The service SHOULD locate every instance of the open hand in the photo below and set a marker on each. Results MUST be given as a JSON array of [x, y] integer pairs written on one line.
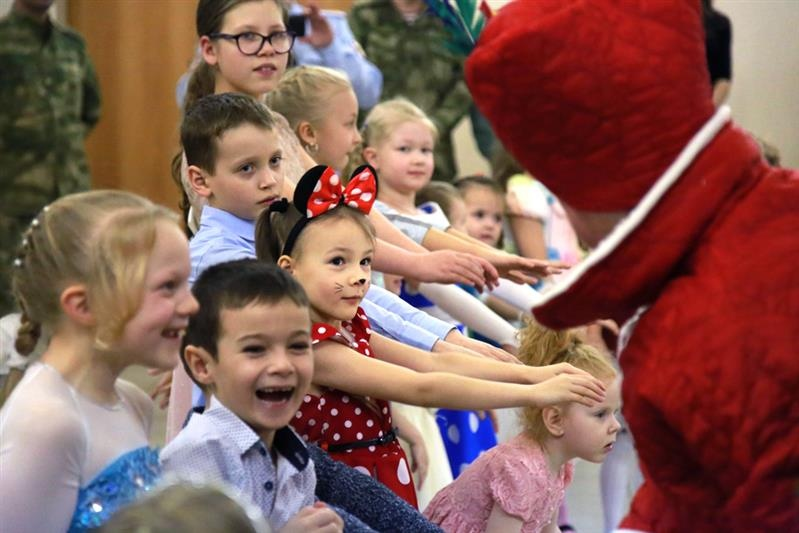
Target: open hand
[[542, 373], [524, 269], [419, 460], [475, 347], [317, 518], [321, 33], [448, 266], [586, 390]]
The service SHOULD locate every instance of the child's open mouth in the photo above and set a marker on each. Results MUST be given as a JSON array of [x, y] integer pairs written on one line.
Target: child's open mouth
[[275, 394], [172, 333]]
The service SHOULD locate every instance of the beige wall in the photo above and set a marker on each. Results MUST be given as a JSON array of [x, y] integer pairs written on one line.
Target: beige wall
[[765, 89]]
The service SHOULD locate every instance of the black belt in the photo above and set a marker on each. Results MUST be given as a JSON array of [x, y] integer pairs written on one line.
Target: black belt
[[389, 437]]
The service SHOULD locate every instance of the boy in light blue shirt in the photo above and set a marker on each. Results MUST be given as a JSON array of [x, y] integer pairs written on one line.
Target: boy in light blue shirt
[[234, 157], [250, 346]]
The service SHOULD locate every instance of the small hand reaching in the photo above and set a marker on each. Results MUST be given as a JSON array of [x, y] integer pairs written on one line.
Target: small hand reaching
[[419, 460], [483, 349], [447, 266], [543, 373], [317, 518], [586, 390], [523, 269], [321, 33]]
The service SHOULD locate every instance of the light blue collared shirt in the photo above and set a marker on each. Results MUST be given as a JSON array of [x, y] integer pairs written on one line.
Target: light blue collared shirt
[[345, 54], [222, 237], [217, 446]]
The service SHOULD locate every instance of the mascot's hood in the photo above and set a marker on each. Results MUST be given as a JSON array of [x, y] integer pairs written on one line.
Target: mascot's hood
[[596, 98]]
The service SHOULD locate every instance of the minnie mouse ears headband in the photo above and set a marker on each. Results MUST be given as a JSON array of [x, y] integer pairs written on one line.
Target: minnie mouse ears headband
[[320, 190]]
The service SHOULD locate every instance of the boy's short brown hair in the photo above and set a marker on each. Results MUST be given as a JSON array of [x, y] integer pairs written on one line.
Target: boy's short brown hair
[[210, 117]]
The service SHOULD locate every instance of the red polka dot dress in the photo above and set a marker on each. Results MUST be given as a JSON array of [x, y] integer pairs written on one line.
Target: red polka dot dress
[[355, 430]]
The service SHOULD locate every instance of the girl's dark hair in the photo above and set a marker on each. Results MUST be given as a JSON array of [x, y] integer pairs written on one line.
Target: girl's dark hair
[[273, 228]]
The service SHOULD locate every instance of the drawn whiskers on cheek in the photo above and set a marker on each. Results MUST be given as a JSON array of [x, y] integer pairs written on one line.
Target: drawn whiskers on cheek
[[339, 287]]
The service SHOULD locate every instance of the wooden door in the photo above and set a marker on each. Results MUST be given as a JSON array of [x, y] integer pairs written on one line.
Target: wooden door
[[140, 48]]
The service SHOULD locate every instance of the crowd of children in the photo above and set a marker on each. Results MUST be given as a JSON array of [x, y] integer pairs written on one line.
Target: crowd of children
[[335, 324]]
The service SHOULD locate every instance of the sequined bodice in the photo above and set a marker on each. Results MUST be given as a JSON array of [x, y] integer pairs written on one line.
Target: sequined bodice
[[116, 485]]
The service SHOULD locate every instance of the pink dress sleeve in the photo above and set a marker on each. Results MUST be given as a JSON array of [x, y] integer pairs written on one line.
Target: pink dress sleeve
[[522, 485], [514, 489]]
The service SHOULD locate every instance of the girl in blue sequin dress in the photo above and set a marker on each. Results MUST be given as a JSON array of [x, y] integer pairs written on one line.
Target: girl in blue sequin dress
[[103, 275]]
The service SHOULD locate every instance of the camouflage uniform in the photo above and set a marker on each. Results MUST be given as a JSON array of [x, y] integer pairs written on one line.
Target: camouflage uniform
[[416, 64], [49, 100]]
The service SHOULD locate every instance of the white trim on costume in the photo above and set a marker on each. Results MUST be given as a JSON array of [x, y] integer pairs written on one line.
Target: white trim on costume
[[629, 223]]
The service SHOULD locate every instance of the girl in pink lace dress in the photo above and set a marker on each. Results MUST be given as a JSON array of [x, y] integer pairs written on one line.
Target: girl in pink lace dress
[[518, 486]]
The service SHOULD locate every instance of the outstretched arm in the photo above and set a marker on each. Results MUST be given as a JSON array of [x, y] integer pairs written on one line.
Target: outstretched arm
[[512, 267], [477, 347], [398, 254], [338, 366], [465, 365]]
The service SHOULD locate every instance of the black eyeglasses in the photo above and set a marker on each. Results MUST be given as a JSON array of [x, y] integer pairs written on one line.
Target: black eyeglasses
[[250, 42]]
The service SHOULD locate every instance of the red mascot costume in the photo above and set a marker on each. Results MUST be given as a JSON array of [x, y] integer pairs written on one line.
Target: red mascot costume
[[608, 103]]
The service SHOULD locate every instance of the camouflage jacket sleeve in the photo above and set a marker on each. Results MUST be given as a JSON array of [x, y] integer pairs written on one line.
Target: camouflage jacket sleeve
[[359, 27], [452, 107], [90, 113]]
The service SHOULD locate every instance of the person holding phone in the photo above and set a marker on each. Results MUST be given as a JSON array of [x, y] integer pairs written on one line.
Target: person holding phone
[[326, 40]]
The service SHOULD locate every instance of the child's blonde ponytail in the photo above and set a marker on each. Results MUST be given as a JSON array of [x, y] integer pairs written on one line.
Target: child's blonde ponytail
[[540, 346]]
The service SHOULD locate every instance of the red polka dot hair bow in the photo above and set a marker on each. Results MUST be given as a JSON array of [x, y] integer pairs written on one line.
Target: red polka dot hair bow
[[327, 191], [320, 190]]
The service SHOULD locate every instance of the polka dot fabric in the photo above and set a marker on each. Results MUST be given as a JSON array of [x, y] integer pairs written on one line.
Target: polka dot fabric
[[336, 418], [465, 437], [327, 194]]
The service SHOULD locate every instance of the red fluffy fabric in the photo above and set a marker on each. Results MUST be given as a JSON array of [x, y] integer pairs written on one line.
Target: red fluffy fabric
[[597, 99], [601, 94]]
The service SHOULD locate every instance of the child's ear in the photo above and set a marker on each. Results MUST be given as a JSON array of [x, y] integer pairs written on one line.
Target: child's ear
[[198, 181], [208, 50], [200, 363], [554, 420], [74, 302], [285, 262], [306, 133], [370, 156]]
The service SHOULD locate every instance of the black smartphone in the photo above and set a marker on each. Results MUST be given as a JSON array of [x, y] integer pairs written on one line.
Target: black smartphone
[[296, 24]]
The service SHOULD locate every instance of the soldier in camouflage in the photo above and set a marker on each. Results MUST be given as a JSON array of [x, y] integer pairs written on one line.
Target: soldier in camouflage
[[408, 45], [49, 100]]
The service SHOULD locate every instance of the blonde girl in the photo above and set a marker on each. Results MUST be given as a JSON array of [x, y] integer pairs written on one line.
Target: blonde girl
[[103, 276], [398, 141], [328, 246], [321, 108], [519, 485]]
